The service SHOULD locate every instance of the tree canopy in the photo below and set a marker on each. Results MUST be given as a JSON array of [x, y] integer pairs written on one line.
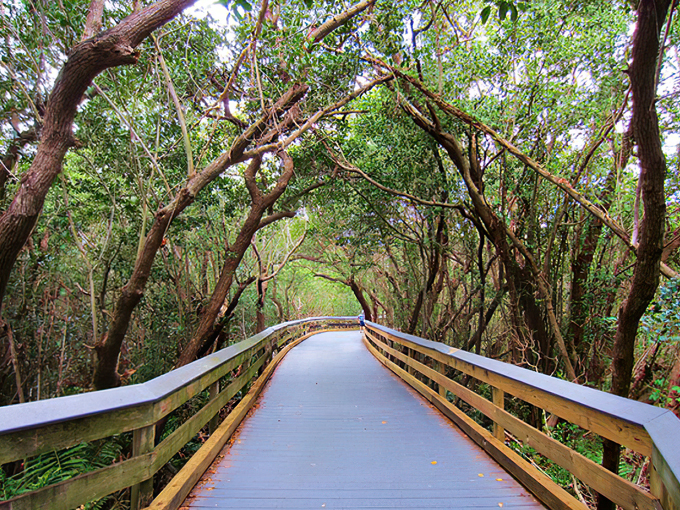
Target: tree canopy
[[501, 176]]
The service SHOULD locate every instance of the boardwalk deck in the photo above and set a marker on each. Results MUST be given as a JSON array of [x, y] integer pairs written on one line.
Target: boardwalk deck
[[335, 429]]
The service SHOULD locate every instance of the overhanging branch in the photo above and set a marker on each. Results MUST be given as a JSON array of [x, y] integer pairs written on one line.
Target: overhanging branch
[[561, 183]]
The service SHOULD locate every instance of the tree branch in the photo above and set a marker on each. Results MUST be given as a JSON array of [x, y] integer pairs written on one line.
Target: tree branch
[[336, 21], [561, 183], [249, 177], [275, 217]]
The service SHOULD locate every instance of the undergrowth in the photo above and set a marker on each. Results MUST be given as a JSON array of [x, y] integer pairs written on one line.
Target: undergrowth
[[54, 467]]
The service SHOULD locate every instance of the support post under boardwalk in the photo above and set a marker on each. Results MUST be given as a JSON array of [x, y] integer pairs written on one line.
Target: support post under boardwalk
[[498, 399], [142, 442]]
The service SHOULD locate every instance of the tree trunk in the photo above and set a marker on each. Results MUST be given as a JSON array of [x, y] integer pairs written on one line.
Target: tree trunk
[[113, 48], [522, 284], [260, 204], [645, 129], [673, 399], [278, 305], [108, 348], [11, 158], [359, 294], [261, 293], [219, 332], [476, 338], [588, 238]]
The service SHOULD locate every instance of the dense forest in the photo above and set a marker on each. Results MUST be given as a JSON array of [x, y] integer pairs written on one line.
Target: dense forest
[[497, 175]]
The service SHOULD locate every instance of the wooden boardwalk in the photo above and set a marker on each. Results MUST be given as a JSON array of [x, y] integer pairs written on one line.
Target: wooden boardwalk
[[335, 429]]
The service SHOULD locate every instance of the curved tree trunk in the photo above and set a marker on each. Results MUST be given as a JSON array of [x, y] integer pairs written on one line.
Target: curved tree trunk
[[359, 294], [108, 347], [113, 48], [260, 203], [645, 129], [356, 290]]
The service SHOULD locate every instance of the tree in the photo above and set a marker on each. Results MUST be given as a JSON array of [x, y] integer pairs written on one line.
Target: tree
[[114, 47], [644, 126]]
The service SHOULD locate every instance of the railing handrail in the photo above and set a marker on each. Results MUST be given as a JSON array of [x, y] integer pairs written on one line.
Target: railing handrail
[[34, 428], [658, 428], [632, 411], [43, 413]]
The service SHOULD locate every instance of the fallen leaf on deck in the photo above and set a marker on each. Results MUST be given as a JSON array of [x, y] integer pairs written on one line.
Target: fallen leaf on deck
[[433, 462], [480, 475]]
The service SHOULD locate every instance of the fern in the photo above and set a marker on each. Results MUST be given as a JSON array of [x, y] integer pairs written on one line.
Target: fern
[[54, 467]]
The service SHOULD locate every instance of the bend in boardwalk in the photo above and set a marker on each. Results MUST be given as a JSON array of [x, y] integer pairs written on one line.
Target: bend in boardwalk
[[335, 429]]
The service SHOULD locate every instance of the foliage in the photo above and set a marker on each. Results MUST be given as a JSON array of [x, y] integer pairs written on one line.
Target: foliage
[[661, 323], [545, 75], [661, 397], [54, 467]]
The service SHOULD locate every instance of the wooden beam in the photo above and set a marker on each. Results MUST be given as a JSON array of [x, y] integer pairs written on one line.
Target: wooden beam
[[175, 441], [498, 399], [179, 487], [84, 488], [622, 492], [537, 482], [441, 368], [141, 493], [663, 482], [589, 414], [50, 437]]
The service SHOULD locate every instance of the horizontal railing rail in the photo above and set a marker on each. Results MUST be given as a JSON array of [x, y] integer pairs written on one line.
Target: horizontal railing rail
[[30, 429], [648, 430]]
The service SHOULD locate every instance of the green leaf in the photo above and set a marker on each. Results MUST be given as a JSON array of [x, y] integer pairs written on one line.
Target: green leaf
[[485, 14], [513, 12], [239, 5], [503, 10]]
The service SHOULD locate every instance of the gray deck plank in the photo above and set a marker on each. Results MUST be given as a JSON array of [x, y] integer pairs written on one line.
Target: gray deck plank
[[335, 429]]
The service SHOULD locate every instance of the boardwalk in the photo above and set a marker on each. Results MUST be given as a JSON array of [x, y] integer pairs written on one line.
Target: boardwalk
[[335, 429]]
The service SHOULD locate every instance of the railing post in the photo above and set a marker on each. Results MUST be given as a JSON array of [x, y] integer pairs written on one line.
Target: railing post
[[214, 392], [410, 369], [656, 484], [441, 368], [142, 442], [498, 399]]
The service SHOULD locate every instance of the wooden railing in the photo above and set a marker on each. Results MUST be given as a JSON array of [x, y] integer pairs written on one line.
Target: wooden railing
[[34, 428], [651, 431]]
